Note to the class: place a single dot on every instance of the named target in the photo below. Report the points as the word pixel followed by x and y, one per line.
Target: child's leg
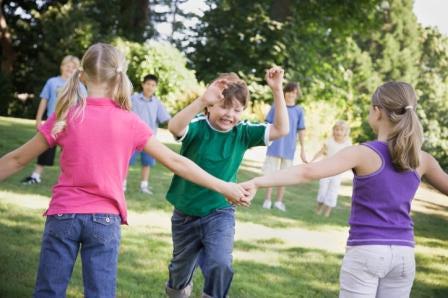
pixel 186 233
pixel 147 162
pixel 331 197
pixel 398 281
pixel 327 210
pixel 99 253
pixel 271 164
pixel 322 193
pixel 60 245
pixel 218 236
pixel 280 193
pixel 284 164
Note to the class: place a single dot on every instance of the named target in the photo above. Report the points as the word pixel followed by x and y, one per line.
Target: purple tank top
pixel 381 204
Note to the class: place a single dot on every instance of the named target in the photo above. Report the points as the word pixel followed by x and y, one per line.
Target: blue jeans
pixel 211 237
pixel 98 236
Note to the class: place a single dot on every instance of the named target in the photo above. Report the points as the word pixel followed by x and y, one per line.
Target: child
pixel 281 152
pixel 329 187
pixel 203 222
pixel 151 110
pixel 49 96
pixel 379 260
pixel 97 135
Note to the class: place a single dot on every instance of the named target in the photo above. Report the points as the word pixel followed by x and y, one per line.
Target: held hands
pixel 274 77
pixel 236 194
pixel 213 94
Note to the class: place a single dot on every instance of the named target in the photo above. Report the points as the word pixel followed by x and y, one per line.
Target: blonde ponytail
pixel 71 96
pixel 399 101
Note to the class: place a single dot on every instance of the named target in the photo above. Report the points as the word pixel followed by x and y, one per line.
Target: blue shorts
pixel 145 158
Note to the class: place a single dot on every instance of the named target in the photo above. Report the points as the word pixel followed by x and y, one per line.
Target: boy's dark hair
pixel 237 89
pixel 150 77
pixel 291 86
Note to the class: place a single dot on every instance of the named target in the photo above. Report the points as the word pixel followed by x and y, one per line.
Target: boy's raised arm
pixel 179 123
pixel 280 127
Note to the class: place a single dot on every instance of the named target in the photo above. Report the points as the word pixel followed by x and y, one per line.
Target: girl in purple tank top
pixel 379 260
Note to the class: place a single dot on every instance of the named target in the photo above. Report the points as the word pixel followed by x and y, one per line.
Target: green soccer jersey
pixel 220 154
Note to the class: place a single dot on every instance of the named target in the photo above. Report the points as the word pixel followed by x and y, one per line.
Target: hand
pixel 303 156
pixel 251 188
pixel 235 194
pixel 274 77
pixel 213 93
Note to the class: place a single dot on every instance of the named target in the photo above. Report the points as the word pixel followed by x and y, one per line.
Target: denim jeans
pixel 211 237
pixel 380 271
pixel 98 236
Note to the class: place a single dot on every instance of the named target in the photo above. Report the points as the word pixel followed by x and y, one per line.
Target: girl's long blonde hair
pixel 101 64
pixel 399 101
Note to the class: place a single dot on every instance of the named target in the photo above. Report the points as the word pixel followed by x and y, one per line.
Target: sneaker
pixel 280 206
pixel 30 180
pixel 267 204
pixel 146 190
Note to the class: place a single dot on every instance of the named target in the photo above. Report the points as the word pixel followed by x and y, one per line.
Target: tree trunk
pixel 8 54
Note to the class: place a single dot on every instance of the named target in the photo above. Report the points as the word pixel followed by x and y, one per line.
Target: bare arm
pixel 16 160
pixel 179 123
pixel 301 135
pixel 319 153
pixel 433 173
pixel 40 111
pixel 187 169
pixel 280 127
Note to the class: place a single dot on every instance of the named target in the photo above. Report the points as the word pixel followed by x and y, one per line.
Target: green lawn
pixel 264 267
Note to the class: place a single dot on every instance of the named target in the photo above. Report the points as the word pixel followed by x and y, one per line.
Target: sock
pixel 35 176
pixel 143 184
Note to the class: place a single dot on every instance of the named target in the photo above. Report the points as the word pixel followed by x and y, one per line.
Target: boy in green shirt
pixel 203 222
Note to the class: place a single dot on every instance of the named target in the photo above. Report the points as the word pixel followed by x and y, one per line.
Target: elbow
pixel 307 173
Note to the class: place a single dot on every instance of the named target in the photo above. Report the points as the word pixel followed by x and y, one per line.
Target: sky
pixel 432 13
pixel 429 13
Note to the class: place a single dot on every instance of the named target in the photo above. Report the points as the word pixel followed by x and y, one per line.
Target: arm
pixel 40 111
pixel 433 173
pixel 320 153
pixel 280 127
pixel 301 135
pixel 179 123
pixel 187 169
pixel 16 160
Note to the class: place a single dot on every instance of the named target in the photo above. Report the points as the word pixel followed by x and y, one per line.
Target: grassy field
pixel 291 254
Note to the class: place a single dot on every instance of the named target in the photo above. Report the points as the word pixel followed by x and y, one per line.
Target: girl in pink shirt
pixel 97 136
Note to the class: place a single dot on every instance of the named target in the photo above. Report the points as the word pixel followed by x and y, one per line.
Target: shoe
pixel 146 190
pixel 30 180
pixel 280 206
pixel 267 204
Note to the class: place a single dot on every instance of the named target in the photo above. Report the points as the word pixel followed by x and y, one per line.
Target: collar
pixel 100 101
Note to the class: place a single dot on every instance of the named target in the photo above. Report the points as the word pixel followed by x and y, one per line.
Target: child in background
pixel 329 187
pixel 47 105
pixel 97 136
pixel 379 260
pixel 203 222
pixel 281 152
pixel 151 110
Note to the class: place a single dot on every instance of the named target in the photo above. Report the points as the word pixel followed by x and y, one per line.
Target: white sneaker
pixel 267 204
pixel 146 190
pixel 280 206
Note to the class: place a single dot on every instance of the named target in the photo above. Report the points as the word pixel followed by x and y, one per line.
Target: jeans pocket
pixel 60 225
pixel 106 227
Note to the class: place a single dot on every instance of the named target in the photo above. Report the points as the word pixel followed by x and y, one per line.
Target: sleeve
pixel 45 130
pixel 83 89
pixel 46 91
pixel 256 134
pixel 142 133
pixel 300 119
pixel 162 114
pixel 192 130
pixel 270 115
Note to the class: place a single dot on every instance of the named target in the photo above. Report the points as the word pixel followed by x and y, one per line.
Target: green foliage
pixel 177 85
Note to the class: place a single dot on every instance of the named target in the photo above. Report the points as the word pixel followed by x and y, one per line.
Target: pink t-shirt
pixel 96 148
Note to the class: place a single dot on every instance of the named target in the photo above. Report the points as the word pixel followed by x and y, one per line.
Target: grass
pixel 274 254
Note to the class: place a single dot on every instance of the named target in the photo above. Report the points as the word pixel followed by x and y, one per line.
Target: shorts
pixel 47 157
pixel 146 159
pixel 273 164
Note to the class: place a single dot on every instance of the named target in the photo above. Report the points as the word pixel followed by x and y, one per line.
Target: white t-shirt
pixel 333 147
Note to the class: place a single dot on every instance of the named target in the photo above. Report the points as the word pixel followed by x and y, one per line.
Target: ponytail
pixel 399 101
pixel 123 90
pixel 70 96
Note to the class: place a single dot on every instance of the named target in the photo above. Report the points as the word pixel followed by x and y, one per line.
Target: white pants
pixel 381 271
pixel 328 190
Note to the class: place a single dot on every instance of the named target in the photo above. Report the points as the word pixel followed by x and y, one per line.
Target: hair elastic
pixel 409 107
pixel 81 69
pixel 119 69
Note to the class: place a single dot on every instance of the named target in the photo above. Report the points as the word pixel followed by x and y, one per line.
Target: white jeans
pixel 381 271
pixel 328 190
